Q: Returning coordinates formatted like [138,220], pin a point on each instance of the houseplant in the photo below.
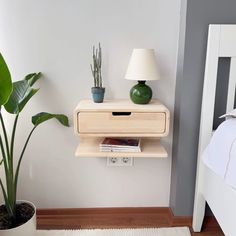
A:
[97,91]
[15,216]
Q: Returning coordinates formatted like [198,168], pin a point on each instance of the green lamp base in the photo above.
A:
[141,93]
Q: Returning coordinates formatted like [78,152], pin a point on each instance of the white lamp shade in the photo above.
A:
[142,65]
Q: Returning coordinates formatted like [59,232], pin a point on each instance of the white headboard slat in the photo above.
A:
[227,40]
[209,87]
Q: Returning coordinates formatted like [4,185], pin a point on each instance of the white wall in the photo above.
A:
[56,38]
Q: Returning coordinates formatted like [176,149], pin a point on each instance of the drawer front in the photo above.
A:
[121,122]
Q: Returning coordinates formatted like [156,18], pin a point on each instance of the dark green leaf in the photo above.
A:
[44,116]
[1,162]
[22,92]
[5,81]
[32,78]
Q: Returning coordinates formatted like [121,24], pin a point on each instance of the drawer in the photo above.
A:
[122,122]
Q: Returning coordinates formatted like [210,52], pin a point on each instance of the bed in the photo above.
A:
[211,187]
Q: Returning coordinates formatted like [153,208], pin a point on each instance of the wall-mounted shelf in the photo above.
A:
[121,118]
[89,147]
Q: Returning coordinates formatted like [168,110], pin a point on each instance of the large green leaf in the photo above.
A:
[21,94]
[44,116]
[5,81]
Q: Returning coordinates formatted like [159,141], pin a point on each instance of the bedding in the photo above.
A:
[220,154]
[230,175]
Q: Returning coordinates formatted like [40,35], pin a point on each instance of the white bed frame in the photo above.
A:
[210,187]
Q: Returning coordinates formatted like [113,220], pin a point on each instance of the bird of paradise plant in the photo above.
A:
[13,97]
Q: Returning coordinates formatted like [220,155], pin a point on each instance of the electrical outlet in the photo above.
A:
[119,161]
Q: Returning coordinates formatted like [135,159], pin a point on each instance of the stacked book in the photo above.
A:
[120,145]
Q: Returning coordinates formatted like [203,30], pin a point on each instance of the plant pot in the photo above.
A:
[27,229]
[98,94]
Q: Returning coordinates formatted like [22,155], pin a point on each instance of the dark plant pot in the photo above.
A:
[98,94]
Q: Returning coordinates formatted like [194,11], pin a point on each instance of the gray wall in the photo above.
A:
[196,15]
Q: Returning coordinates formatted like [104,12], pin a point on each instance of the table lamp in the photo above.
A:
[142,66]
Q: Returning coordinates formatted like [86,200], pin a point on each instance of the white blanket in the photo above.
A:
[220,154]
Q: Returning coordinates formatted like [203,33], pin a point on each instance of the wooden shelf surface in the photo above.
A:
[120,105]
[89,147]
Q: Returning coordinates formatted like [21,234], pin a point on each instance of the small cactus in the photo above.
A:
[96,68]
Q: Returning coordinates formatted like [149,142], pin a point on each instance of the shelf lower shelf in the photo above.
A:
[89,147]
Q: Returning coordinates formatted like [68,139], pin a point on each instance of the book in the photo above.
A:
[120,145]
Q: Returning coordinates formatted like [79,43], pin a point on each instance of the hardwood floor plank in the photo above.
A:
[145,217]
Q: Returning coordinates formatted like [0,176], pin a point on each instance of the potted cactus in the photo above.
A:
[97,91]
[17,217]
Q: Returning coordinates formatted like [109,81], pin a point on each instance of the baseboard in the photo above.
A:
[179,220]
[86,218]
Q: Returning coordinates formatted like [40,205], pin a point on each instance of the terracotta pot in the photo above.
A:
[27,229]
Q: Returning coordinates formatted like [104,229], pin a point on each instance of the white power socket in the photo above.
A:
[119,161]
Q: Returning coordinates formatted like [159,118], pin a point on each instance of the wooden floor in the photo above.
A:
[210,228]
[119,218]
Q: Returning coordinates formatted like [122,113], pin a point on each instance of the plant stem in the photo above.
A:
[9,210]
[9,182]
[10,176]
[3,154]
[11,159]
[5,135]
[13,135]
[97,64]
[20,159]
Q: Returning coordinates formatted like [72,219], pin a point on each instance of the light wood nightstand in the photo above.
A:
[121,118]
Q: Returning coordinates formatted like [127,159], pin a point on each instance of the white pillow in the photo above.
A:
[231,114]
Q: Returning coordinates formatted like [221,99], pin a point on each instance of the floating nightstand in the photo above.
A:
[121,118]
